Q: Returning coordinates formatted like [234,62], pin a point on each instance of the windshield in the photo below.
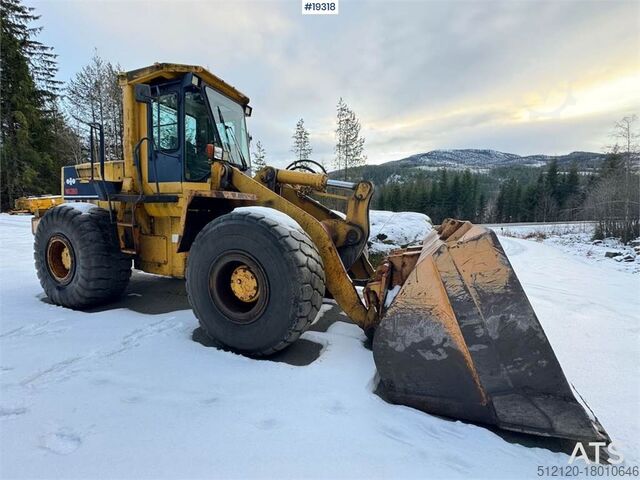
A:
[230,122]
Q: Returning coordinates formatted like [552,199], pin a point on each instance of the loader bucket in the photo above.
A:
[460,339]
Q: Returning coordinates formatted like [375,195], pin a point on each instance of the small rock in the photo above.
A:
[635,243]
[627,258]
[596,242]
[612,254]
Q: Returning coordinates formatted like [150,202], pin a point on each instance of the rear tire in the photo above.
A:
[282,279]
[78,258]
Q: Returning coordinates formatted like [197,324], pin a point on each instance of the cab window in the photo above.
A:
[198,132]
[165,122]
[231,127]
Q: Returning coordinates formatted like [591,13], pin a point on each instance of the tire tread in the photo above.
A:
[104,272]
[298,246]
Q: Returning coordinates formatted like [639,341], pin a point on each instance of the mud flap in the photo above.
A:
[461,340]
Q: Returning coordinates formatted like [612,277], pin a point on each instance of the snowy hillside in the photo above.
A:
[487,159]
[124,392]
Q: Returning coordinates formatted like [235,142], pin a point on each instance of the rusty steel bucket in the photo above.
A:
[460,339]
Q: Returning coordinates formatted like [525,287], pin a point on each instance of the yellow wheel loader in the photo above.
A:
[453,331]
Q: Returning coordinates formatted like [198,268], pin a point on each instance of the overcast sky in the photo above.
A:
[521,76]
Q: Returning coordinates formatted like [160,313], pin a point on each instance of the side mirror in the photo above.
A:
[247,111]
[142,93]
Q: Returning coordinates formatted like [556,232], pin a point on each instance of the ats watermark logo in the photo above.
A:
[612,456]
[594,459]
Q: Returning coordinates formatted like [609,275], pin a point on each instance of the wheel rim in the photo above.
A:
[60,259]
[238,286]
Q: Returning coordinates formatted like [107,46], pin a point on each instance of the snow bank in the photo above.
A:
[390,230]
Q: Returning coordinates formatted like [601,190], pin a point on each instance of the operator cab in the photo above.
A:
[185,116]
[190,118]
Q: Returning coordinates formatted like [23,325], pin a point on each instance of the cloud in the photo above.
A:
[528,76]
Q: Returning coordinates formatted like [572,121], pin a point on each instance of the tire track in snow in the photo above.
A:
[35,329]
[64,369]
[56,368]
[6,412]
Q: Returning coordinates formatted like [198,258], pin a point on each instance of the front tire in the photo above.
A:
[77,256]
[254,284]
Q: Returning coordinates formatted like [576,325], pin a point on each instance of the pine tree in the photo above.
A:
[349,143]
[301,146]
[571,191]
[552,181]
[30,120]
[481,209]
[258,157]
[539,200]
[424,201]
[517,208]
[442,205]
[612,166]
[410,198]
[500,206]
[17,22]
[529,202]
[434,202]
[467,196]
[393,201]
[547,205]
[453,207]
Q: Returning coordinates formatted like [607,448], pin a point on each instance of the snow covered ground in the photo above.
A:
[126,393]
[576,239]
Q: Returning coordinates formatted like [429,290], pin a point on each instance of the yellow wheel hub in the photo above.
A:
[66,258]
[244,284]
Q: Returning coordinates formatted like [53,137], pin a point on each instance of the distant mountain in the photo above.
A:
[494,166]
[485,160]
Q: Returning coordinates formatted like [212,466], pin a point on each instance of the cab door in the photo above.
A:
[198,133]
[165,164]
